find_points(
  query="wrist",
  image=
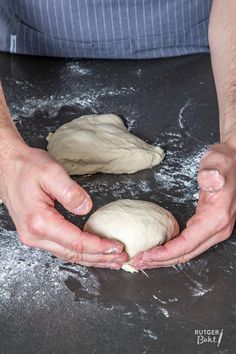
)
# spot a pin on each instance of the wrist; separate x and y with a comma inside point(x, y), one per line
point(10, 152)
point(230, 141)
point(11, 149)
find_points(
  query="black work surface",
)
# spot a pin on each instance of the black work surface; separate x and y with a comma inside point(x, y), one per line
point(49, 306)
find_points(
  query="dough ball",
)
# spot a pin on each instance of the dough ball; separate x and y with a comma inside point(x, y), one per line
point(101, 143)
point(138, 224)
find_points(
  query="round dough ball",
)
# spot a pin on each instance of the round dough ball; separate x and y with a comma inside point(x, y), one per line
point(138, 224)
point(101, 143)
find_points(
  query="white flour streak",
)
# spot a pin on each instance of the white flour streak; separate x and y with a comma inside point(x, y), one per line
point(150, 334)
point(156, 298)
point(198, 289)
point(145, 273)
point(182, 111)
point(165, 302)
point(178, 267)
point(164, 311)
point(200, 292)
point(141, 309)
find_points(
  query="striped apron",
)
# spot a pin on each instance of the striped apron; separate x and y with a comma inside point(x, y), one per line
point(134, 29)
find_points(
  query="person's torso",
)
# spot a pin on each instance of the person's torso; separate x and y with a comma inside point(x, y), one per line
point(106, 28)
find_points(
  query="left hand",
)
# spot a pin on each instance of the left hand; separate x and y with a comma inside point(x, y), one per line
point(215, 213)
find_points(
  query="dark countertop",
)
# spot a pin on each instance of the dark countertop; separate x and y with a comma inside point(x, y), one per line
point(49, 306)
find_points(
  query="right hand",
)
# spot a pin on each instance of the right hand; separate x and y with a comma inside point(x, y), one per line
point(30, 182)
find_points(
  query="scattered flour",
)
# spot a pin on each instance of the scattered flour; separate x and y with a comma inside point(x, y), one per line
point(175, 178)
point(126, 187)
point(24, 271)
point(178, 175)
point(89, 98)
point(77, 68)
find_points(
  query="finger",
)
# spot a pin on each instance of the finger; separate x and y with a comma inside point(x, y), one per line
point(88, 260)
point(50, 225)
point(219, 237)
point(103, 265)
point(204, 203)
point(210, 180)
point(189, 240)
point(201, 206)
point(214, 169)
point(217, 158)
point(66, 191)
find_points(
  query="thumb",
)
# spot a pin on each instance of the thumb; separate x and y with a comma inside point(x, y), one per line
point(66, 191)
point(210, 178)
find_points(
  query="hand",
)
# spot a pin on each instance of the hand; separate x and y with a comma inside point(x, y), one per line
point(30, 183)
point(215, 213)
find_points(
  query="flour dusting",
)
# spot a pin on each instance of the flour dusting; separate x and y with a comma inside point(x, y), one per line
point(126, 187)
point(76, 67)
point(24, 271)
point(27, 271)
point(178, 175)
point(90, 98)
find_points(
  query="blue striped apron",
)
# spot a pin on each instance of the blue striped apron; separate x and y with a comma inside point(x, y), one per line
point(104, 28)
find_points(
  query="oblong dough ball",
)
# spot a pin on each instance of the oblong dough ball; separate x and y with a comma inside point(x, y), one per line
point(138, 224)
point(101, 143)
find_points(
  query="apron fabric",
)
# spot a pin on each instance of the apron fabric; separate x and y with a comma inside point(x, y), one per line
point(128, 29)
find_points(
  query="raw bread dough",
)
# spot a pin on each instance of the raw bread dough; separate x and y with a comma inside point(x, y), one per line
point(101, 143)
point(138, 224)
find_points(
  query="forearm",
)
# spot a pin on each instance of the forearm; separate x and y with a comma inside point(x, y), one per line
point(10, 139)
point(222, 41)
point(9, 135)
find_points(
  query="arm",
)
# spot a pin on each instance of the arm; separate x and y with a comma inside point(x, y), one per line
point(30, 181)
point(222, 41)
point(9, 135)
point(216, 209)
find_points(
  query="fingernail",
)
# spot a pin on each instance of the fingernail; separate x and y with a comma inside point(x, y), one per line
point(115, 249)
point(83, 207)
